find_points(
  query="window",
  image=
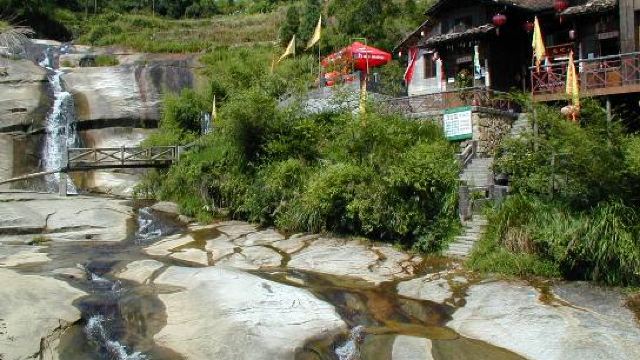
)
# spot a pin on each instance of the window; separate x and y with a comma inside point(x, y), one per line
point(429, 66)
point(462, 23)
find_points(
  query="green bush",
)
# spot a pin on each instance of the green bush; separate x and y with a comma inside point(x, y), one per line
point(181, 119)
point(106, 60)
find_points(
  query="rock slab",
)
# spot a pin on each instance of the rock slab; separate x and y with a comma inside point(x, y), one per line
point(511, 316)
point(225, 313)
point(34, 312)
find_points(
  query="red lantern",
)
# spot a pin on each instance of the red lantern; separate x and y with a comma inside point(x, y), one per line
point(499, 20)
point(528, 26)
point(560, 5)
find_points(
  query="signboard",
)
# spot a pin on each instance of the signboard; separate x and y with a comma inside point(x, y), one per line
point(464, 59)
point(559, 51)
point(457, 123)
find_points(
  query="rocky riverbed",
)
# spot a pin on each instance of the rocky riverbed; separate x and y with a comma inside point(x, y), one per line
point(99, 278)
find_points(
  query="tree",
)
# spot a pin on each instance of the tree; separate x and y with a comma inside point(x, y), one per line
point(312, 11)
point(291, 25)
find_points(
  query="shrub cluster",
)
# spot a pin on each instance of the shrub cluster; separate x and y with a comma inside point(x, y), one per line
point(378, 175)
point(576, 203)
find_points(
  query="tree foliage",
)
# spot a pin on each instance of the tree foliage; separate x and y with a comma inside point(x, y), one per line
point(576, 204)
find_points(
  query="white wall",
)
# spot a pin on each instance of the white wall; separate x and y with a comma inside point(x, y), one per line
point(419, 85)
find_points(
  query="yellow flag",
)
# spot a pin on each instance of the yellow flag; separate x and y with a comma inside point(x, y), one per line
point(291, 49)
point(316, 34)
point(537, 44)
point(214, 111)
point(572, 82)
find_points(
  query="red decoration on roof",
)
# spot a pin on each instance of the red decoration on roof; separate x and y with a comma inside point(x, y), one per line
point(499, 20)
point(528, 26)
point(560, 5)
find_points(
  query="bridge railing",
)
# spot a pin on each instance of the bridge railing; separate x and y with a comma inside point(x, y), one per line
point(473, 96)
point(91, 158)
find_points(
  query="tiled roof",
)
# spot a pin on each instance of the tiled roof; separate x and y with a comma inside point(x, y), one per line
point(413, 35)
point(591, 7)
point(534, 5)
point(531, 5)
point(439, 39)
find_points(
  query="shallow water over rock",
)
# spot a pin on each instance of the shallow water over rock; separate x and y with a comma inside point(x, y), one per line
point(232, 291)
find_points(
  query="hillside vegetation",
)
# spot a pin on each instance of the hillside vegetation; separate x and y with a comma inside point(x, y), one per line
point(575, 208)
point(376, 175)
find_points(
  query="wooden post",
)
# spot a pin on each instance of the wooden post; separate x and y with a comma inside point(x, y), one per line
point(62, 183)
point(62, 175)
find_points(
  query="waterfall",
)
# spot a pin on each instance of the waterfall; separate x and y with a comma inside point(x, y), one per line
point(99, 328)
point(350, 350)
point(60, 125)
point(205, 123)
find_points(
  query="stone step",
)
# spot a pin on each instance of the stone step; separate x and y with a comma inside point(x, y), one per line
point(466, 238)
point(457, 253)
point(465, 250)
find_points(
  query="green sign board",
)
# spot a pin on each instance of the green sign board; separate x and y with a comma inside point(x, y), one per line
point(457, 123)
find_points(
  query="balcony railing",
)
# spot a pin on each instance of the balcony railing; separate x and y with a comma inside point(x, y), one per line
point(474, 96)
point(604, 75)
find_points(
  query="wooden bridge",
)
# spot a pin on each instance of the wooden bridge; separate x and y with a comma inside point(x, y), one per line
point(84, 159)
point(87, 159)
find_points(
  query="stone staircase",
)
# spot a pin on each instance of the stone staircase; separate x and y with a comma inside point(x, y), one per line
point(478, 173)
point(520, 125)
point(477, 177)
point(473, 231)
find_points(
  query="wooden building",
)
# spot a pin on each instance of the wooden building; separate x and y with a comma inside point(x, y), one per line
point(486, 45)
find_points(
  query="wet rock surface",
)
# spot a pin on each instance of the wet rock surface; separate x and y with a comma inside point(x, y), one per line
point(140, 271)
point(411, 348)
point(512, 316)
point(353, 258)
point(34, 312)
point(229, 314)
point(78, 218)
point(24, 95)
point(436, 287)
point(231, 290)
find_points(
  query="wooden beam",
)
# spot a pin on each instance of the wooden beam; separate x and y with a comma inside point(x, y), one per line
point(613, 90)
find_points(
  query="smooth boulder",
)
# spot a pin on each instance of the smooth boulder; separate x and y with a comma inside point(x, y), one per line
point(224, 313)
point(34, 313)
point(512, 316)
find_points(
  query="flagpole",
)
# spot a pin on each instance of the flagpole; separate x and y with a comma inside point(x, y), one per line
point(319, 67)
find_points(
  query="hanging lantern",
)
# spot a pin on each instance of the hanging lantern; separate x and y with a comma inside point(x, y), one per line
point(560, 6)
point(499, 20)
point(399, 53)
point(528, 26)
point(572, 34)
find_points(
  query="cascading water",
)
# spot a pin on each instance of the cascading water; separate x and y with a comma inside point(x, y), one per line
point(60, 125)
point(350, 350)
point(100, 326)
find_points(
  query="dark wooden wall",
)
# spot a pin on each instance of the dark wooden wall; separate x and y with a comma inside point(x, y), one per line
point(628, 25)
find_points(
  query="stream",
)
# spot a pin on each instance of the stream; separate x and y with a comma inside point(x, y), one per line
point(120, 318)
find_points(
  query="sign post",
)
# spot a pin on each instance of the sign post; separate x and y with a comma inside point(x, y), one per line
point(457, 123)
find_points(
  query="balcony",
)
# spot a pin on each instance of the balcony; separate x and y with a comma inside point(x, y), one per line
point(436, 102)
point(607, 75)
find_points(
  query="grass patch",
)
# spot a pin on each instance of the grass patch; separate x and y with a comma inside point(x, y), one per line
point(160, 35)
point(39, 240)
point(106, 60)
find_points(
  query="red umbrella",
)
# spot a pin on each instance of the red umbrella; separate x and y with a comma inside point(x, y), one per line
point(361, 54)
